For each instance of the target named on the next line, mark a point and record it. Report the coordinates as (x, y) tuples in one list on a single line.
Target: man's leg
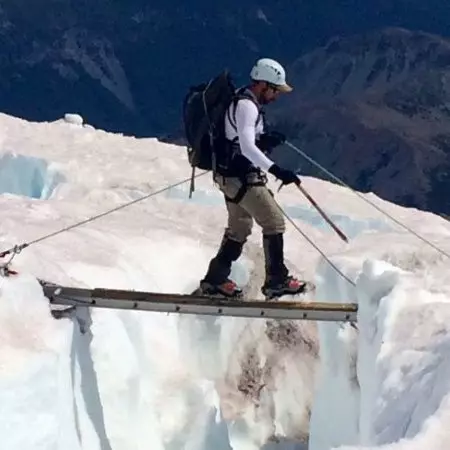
[(238, 229), (260, 204)]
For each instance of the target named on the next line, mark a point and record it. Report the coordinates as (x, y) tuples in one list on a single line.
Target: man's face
[(270, 94)]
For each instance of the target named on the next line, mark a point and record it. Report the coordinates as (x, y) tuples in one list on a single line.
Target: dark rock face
[(125, 66), (374, 109), (372, 106)]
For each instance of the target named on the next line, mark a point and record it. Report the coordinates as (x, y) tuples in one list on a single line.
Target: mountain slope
[(126, 65), (375, 109)]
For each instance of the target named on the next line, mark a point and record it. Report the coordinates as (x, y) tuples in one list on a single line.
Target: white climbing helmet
[(269, 70)]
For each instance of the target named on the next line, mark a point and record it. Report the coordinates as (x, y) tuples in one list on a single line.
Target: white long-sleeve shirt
[(249, 127)]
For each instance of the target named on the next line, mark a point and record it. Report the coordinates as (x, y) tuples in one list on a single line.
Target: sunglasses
[(274, 87)]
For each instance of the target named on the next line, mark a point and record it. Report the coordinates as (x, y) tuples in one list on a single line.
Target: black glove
[(285, 175), (268, 141)]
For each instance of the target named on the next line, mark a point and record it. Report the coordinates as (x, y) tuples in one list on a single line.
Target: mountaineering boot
[(289, 286), (216, 280), (278, 281), (226, 289)]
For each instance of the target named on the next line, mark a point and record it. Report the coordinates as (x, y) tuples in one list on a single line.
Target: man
[(241, 178)]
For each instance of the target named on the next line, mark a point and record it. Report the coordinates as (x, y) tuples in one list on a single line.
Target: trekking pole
[(305, 193), (322, 213)]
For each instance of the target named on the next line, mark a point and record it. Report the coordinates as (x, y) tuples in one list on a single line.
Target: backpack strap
[(240, 95), (192, 182)]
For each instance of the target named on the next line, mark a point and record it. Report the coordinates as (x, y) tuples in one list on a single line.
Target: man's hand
[(285, 175), (268, 141)]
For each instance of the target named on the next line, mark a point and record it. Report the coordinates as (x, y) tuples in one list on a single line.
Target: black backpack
[(204, 110)]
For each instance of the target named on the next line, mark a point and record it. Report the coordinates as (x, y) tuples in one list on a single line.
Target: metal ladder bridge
[(199, 305)]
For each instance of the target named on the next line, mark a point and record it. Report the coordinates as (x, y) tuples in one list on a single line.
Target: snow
[(28, 176), (116, 380), (75, 119)]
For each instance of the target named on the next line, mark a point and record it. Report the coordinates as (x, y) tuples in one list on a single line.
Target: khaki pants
[(257, 204)]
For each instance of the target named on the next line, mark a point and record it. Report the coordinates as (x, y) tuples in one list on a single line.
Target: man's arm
[(246, 117)]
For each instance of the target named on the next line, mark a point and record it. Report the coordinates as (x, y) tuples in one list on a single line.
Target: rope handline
[(16, 249), (374, 205)]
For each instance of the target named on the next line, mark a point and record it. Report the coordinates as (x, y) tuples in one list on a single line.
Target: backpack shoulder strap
[(240, 95)]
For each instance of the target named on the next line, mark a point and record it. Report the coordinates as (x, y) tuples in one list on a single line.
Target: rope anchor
[(5, 270)]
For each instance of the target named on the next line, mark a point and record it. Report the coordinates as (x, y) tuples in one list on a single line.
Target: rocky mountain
[(125, 65), (375, 110), (370, 105)]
